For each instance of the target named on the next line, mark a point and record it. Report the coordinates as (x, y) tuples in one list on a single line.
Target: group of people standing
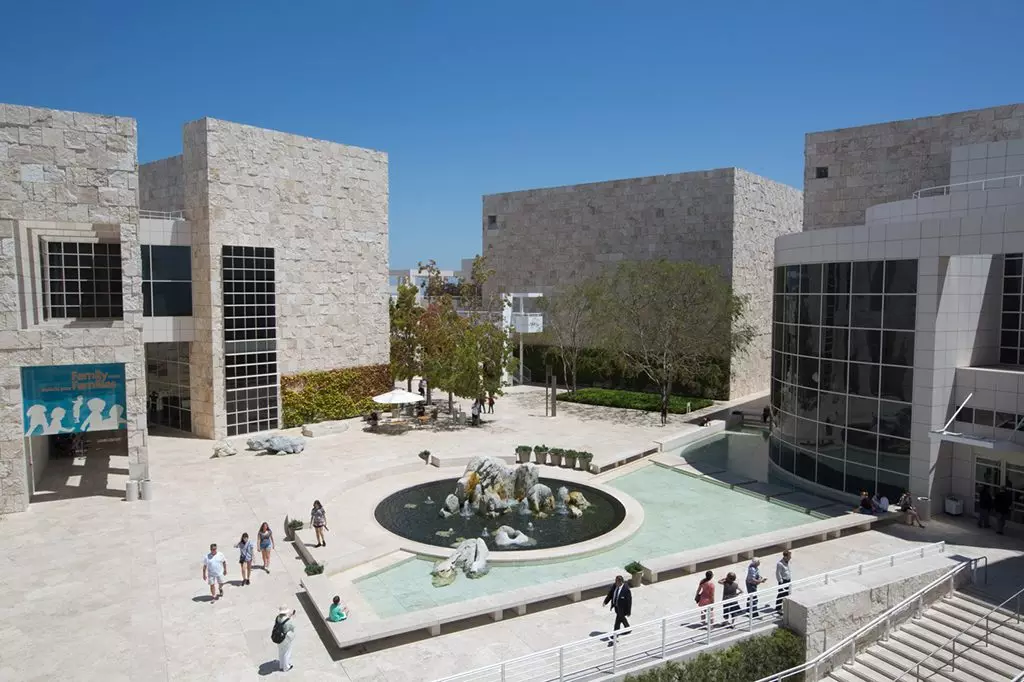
[(1001, 503), (705, 595)]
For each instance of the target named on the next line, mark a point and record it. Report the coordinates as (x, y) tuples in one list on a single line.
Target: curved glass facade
[(843, 373)]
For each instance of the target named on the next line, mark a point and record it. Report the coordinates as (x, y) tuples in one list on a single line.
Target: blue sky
[(475, 97)]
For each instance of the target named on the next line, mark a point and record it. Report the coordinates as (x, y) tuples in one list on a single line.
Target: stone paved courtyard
[(93, 588)]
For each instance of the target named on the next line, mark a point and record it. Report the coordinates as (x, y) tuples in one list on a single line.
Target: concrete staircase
[(1000, 661)]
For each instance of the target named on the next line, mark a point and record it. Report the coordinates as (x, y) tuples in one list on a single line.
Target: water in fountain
[(467, 511), (429, 500)]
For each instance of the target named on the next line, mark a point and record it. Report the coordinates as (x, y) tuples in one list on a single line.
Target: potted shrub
[(523, 453), (314, 569), (636, 573), (570, 458), (540, 454), (585, 458), (555, 456)]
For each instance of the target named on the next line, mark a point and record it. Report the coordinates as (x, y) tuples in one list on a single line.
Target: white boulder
[(507, 536)]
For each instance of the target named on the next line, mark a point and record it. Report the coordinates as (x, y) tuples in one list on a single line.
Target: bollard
[(146, 490), (131, 491)]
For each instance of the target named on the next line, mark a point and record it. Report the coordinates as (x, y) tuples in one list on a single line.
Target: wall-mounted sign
[(73, 398)]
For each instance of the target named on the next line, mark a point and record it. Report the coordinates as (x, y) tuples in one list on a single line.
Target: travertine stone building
[(847, 171), (173, 294), (729, 218)]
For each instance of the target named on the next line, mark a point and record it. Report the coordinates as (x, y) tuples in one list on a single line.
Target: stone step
[(958, 618), (931, 639), (944, 627), (883, 668), (979, 608), (850, 674), (900, 660), (939, 664)]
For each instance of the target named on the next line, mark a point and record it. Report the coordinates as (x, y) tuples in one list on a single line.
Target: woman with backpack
[(283, 635), (730, 590)]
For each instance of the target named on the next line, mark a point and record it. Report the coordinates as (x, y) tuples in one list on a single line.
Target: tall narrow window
[(250, 339)]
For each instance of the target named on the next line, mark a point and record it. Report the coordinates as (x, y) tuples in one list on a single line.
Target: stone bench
[(329, 428), (362, 628), (747, 548), (690, 435)]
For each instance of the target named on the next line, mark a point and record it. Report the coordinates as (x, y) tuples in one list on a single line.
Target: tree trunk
[(451, 403), (665, 388), (408, 384)]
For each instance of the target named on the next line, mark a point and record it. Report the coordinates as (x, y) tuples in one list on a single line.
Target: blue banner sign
[(73, 398)]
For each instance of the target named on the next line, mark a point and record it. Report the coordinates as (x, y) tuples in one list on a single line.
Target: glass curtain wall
[(842, 373), (167, 385)]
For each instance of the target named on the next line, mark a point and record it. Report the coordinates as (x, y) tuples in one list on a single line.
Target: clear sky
[(475, 97)]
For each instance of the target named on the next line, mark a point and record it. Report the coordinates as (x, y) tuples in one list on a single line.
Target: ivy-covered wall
[(313, 397)]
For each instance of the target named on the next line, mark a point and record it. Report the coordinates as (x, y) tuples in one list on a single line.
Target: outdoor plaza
[(94, 588)]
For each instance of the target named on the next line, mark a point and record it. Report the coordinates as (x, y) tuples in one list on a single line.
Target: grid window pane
[(1011, 351), (168, 395), (73, 273), (250, 331)]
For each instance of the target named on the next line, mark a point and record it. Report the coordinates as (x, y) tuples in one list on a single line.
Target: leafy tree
[(440, 332), (471, 289), (670, 320), (436, 285), (405, 344), (570, 323)]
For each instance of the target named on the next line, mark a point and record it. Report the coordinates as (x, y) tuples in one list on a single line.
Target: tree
[(569, 323), (440, 332), (471, 289), (405, 315), (670, 321)]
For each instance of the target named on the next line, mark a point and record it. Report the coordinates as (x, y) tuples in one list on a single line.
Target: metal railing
[(978, 639), (163, 215), (943, 190), (668, 637), (848, 645)]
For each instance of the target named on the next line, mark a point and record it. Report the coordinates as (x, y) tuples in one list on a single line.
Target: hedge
[(633, 400), (597, 369), (313, 397), (747, 661)]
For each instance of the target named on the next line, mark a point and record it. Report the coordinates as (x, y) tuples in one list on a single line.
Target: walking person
[(265, 537), (730, 591), (706, 597), (490, 404), (621, 599), (283, 635), (245, 552), (984, 506), (423, 387), (215, 569), (1002, 504), (754, 579), (318, 519), (783, 576)]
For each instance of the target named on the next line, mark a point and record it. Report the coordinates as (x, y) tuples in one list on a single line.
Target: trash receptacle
[(131, 491), (954, 506), (146, 490), (924, 509)]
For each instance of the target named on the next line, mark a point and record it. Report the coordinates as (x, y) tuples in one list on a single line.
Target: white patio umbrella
[(397, 397)]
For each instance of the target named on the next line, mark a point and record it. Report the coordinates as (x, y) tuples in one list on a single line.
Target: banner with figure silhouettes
[(73, 398)]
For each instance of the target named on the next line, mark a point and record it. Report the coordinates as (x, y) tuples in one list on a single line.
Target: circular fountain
[(509, 508)]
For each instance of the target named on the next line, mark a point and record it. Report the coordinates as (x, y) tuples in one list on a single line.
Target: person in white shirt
[(215, 569), (783, 576), (880, 503), (753, 580)]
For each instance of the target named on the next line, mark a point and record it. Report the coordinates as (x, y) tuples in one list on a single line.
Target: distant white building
[(419, 278)]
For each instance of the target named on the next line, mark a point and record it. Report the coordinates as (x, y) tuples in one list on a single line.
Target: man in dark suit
[(621, 600)]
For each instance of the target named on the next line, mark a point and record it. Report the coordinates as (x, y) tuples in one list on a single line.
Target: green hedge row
[(633, 400), (313, 397), (597, 369), (747, 661)]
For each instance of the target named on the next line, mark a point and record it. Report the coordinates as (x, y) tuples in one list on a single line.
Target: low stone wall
[(826, 614), (691, 434)]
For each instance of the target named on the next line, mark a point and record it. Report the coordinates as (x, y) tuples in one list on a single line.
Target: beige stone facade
[(64, 176), (729, 218), (883, 162)]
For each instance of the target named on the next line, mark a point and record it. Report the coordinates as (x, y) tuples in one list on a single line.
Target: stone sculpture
[(506, 536), (470, 557), (277, 444), (541, 500), (450, 507), (224, 449)]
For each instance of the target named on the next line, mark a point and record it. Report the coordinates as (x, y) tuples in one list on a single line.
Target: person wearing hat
[(753, 580), (284, 647)]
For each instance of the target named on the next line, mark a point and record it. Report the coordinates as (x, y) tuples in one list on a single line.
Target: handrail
[(931, 191), (656, 638), (162, 215), (979, 638), (886, 617)]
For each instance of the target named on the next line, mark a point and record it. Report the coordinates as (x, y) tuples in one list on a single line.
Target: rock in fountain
[(470, 557), (541, 499), (507, 536), (576, 499), (450, 507)]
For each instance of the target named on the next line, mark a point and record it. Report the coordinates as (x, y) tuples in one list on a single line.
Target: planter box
[(635, 579), (570, 462), (556, 460), (522, 456), (540, 457)]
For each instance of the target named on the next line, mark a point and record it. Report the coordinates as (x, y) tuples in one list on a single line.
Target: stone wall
[(162, 185), (323, 207), (540, 239), (874, 164), (764, 210), (72, 176)]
